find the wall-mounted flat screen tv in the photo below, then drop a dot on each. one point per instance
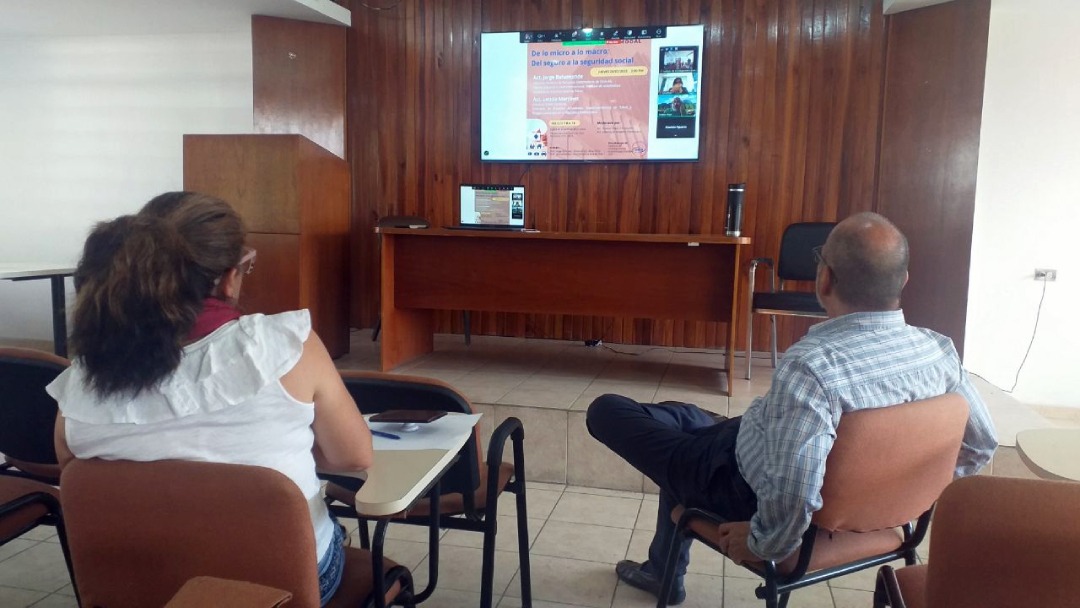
(591, 95)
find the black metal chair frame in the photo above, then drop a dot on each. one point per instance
(53, 517)
(887, 589)
(463, 478)
(777, 587)
(786, 270)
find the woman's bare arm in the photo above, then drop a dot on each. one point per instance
(342, 438)
(63, 453)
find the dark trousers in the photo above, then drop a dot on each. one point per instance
(685, 452)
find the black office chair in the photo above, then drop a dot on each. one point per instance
(795, 263)
(470, 489)
(28, 414)
(412, 221)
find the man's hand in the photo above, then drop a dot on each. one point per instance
(733, 537)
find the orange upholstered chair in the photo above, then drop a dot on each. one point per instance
(886, 469)
(997, 542)
(138, 531)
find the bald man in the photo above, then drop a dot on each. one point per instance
(763, 471)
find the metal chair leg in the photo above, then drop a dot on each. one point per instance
(487, 576)
(468, 327)
(525, 571)
(771, 600)
(750, 317)
(668, 581)
(378, 328)
(772, 320)
(61, 532)
(749, 339)
(379, 592)
(365, 535)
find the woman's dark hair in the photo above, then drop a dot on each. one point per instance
(141, 283)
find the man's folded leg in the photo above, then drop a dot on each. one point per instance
(644, 434)
(685, 452)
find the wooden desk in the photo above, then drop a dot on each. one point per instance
(1051, 453)
(55, 273)
(651, 276)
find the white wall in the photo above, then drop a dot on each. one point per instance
(90, 128)
(1027, 204)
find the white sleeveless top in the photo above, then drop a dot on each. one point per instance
(224, 403)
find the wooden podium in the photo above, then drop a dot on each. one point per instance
(294, 198)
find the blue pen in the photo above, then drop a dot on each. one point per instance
(385, 434)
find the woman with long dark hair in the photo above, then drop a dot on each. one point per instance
(166, 367)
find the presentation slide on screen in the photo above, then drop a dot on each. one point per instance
(591, 95)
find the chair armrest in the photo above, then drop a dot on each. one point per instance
(511, 428)
(683, 521)
(211, 591)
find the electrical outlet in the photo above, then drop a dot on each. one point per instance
(1045, 274)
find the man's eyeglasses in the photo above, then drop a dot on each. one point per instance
(246, 265)
(818, 258)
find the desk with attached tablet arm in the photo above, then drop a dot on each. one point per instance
(404, 469)
(1051, 453)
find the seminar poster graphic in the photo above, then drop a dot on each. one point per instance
(588, 102)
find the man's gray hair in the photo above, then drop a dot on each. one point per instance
(869, 261)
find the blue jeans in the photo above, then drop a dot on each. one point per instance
(332, 565)
(685, 452)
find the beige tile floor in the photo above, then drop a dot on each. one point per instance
(577, 533)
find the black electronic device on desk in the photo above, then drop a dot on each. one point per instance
(410, 419)
(402, 221)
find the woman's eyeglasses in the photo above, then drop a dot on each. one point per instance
(246, 265)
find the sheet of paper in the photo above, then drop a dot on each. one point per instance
(446, 433)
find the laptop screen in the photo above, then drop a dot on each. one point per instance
(492, 205)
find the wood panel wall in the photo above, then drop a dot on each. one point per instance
(930, 152)
(299, 79)
(792, 106)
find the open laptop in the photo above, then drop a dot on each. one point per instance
(492, 207)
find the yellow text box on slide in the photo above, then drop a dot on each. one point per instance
(630, 70)
(564, 123)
